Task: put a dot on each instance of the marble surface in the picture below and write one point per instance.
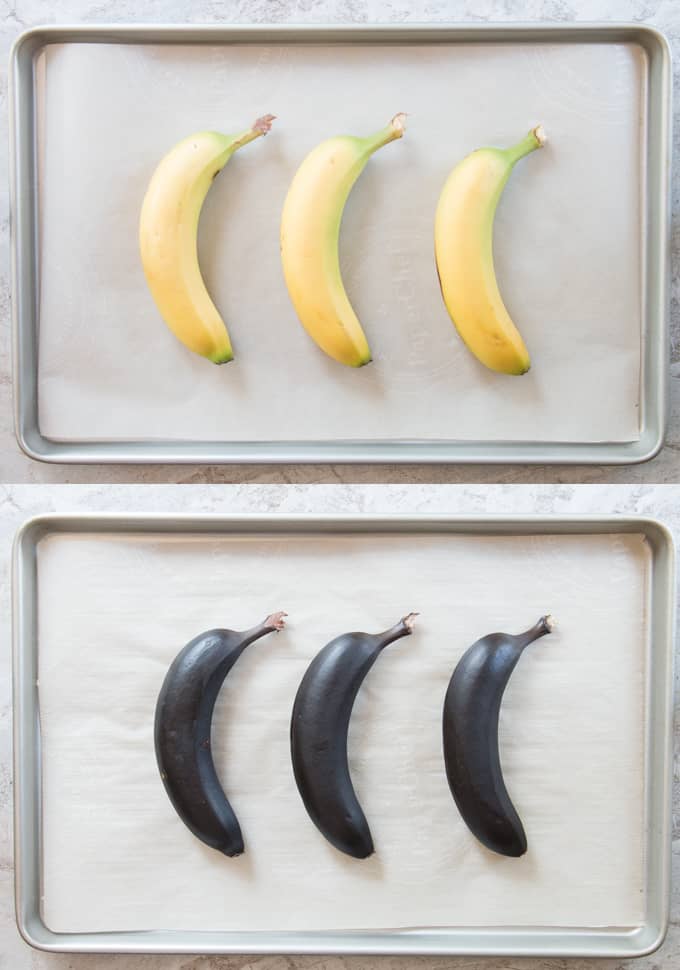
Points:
(21, 501)
(19, 14)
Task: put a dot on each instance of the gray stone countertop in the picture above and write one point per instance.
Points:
(20, 14)
(22, 501)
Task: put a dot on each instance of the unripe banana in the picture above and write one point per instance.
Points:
(168, 230)
(310, 229)
(464, 254)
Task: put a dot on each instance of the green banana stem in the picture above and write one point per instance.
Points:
(260, 127)
(391, 132)
(535, 139)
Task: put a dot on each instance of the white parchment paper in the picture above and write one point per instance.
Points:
(113, 612)
(568, 242)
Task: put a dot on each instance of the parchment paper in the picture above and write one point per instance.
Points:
(568, 242)
(114, 612)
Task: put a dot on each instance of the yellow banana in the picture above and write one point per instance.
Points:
(310, 228)
(464, 254)
(168, 230)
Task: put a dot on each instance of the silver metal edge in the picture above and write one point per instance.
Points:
(611, 942)
(23, 241)
(659, 728)
(656, 342)
(654, 376)
(26, 732)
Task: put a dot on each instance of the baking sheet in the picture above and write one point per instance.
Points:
(114, 611)
(568, 242)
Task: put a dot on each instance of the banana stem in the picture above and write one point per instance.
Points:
(275, 621)
(535, 139)
(260, 127)
(391, 132)
(545, 625)
(401, 629)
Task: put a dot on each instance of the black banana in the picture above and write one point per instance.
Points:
(318, 735)
(473, 767)
(184, 713)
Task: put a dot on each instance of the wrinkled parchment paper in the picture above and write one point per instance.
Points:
(568, 242)
(113, 612)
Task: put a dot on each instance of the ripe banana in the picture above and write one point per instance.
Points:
(464, 254)
(310, 229)
(168, 230)
(318, 735)
(182, 732)
(470, 725)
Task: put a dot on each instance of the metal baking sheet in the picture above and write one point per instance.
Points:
(652, 50)
(547, 940)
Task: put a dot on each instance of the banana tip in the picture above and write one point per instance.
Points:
(540, 135)
(409, 621)
(550, 622)
(276, 620)
(264, 124)
(399, 123)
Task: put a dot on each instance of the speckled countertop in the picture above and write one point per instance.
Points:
(21, 501)
(19, 14)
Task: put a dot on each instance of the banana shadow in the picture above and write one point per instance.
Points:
(524, 869)
(371, 870)
(243, 866)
